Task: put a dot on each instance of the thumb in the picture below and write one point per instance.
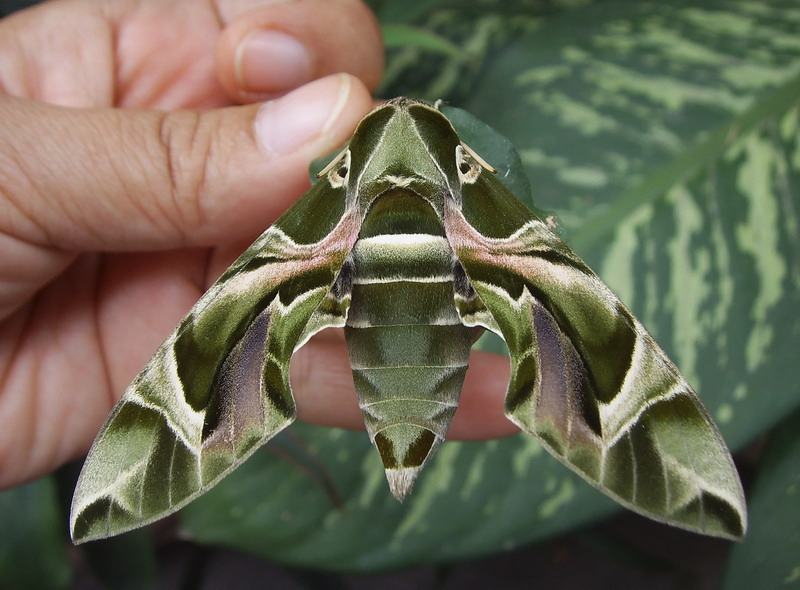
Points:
(112, 179)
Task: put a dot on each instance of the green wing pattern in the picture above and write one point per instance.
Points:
(587, 379)
(218, 387)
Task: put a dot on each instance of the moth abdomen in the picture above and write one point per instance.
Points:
(408, 347)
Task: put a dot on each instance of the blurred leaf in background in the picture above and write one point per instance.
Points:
(33, 549)
(770, 555)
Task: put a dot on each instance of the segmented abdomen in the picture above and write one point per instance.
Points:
(408, 348)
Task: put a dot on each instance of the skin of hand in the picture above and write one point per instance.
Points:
(144, 144)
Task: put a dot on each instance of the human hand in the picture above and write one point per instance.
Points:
(119, 206)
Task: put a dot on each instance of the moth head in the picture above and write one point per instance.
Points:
(338, 170)
(469, 164)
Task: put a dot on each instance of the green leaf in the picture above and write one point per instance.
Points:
(599, 98)
(770, 554)
(269, 508)
(33, 542)
(398, 35)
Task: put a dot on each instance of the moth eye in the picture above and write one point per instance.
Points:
(339, 170)
(468, 168)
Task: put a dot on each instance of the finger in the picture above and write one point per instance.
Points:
(481, 410)
(42, 57)
(131, 53)
(322, 383)
(278, 46)
(145, 180)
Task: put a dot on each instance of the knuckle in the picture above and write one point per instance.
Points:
(186, 146)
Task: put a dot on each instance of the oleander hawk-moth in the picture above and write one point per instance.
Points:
(411, 244)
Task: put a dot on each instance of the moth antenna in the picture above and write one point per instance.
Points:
(480, 160)
(332, 163)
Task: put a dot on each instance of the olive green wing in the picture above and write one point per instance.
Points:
(587, 379)
(218, 387)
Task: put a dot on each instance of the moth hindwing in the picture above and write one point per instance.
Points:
(411, 244)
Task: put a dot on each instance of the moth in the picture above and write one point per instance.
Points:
(411, 244)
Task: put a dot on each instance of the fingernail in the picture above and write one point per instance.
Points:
(271, 62)
(284, 124)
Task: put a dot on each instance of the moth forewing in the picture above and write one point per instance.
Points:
(410, 243)
(218, 387)
(588, 380)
